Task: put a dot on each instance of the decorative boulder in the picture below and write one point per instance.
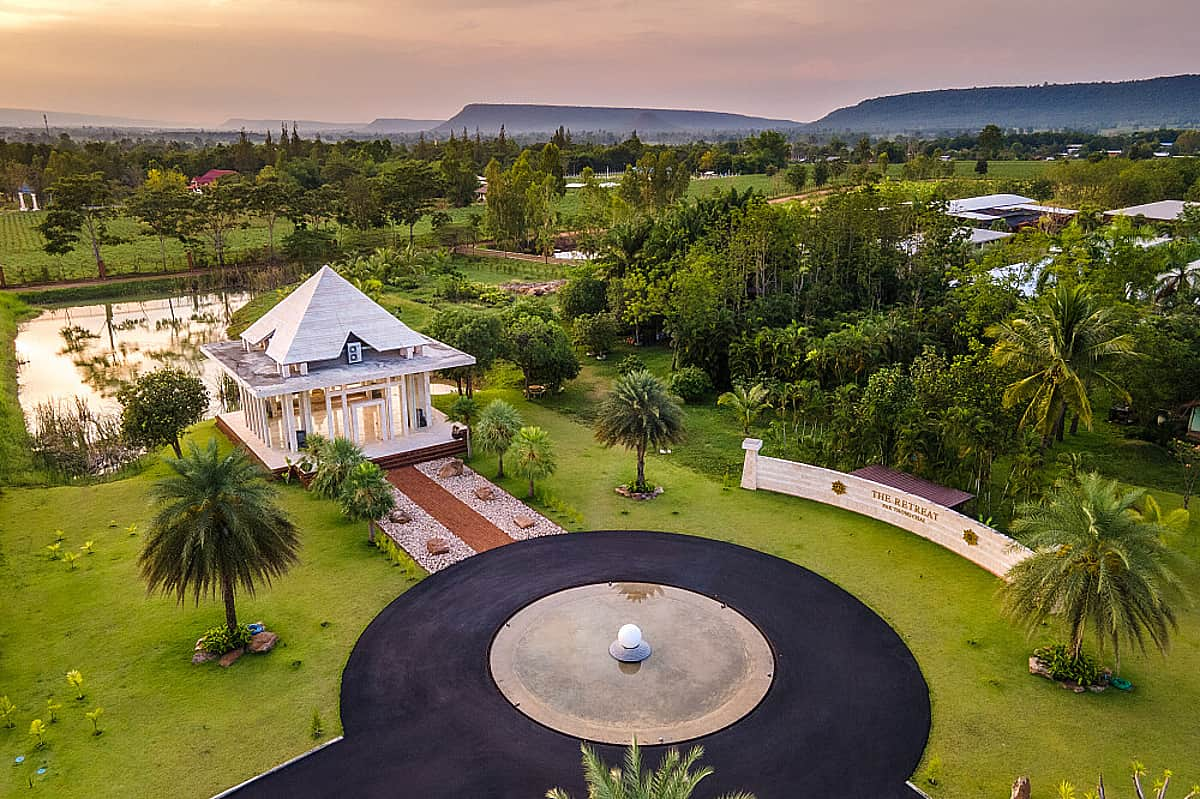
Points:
(452, 468)
(200, 656)
(263, 642)
(399, 517)
(523, 522)
(485, 493)
(229, 657)
(1020, 789)
(437, 546)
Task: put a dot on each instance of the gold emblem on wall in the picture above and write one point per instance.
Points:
(971, 537)
(838, 487)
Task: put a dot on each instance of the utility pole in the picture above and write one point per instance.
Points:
(46, 122)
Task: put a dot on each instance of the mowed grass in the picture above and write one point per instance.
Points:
(992, 721)
(25, 261)
(170, 728)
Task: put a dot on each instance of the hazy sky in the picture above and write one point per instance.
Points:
(202, 61)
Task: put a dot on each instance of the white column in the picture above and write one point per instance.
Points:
(328, 413)
(35, 204)
(306, 411)
(387, 409)
(347, 432)
(289, 422)
(427, 397)
(750, 466)
(21, 198)
(404, 423)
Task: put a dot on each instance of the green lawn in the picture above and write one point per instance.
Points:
(171, 728)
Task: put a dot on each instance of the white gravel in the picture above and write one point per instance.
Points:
(499, 511)
(412, 536)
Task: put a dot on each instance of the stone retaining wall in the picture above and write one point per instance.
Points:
(955, 531)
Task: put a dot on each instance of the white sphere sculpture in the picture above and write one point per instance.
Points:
(629, 646)
(630, 636)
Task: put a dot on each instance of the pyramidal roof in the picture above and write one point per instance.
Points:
(314, 322)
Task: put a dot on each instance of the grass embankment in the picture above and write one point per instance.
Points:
(14, 442)
(170, 728)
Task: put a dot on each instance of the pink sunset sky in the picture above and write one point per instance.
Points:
(202, 61)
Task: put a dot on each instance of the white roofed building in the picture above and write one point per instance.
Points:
(1161, 211)
(327, 359)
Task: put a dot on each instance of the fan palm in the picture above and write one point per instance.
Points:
(533, 455)
(494, 432)
(639, 413)
(217, 530)
(1096, 563)
(336, 459)
(673, 779)
(747, 403)
(1062, 344)
(367, 495)
(1183, 260)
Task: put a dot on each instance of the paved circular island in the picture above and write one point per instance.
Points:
(709, 665)
(813, 694)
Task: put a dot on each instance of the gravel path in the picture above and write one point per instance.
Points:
(413, 535)
(500, 511)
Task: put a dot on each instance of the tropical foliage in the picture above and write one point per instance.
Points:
(674, 777)
(639, 413)
(217, 530)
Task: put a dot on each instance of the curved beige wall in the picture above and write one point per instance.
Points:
(955, 531)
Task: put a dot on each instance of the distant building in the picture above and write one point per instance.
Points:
(1013, 210)
(1161, 211)
(198, 184)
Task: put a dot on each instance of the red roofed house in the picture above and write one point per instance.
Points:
(197, 185)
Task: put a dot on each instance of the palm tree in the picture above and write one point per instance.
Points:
(217, 530)
(640, 412)
(1064, 343)
(1183, 272)
(495, 430)
(748, 403)
(533, 455)
(1097, 564)
(336, 459)
(367, 495)
(673, 779)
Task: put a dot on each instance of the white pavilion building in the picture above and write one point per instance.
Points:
(327, 359)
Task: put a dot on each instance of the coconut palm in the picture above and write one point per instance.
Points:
(217, 530)
(1062, 344)
(1183, 269)
(336, 459)
(1097, 564)
(367, 495)
(747, 402)
(533, 455)
(494, 432)
(673, 779)
(639, 413)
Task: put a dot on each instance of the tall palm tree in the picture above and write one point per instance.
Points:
(1097, 564)
(1062, 344)
(217, 530)
(640, 412)
(533, 455)
(497, 427)
(336, 459)
(747, 402)
(367, 495)
(1183, 269)
(673, 779)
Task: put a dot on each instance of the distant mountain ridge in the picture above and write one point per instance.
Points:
(532, 118)
(32, 118)
(1136, 104)
(382, 125)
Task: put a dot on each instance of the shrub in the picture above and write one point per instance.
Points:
(7, 708)
(317, 728)
(596, 334)
(1082, 670)
(691, 384)
(218, 640)
(631, 363)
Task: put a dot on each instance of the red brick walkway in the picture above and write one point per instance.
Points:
(477, 532)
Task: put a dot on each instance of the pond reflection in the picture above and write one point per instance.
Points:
(91, 351)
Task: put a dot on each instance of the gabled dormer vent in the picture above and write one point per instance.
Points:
(354, 352)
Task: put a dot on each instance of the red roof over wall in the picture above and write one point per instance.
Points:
(942, 495)
(211, 175)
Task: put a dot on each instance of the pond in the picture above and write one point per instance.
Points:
(91, 351)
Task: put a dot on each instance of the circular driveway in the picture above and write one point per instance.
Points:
(846, 714)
